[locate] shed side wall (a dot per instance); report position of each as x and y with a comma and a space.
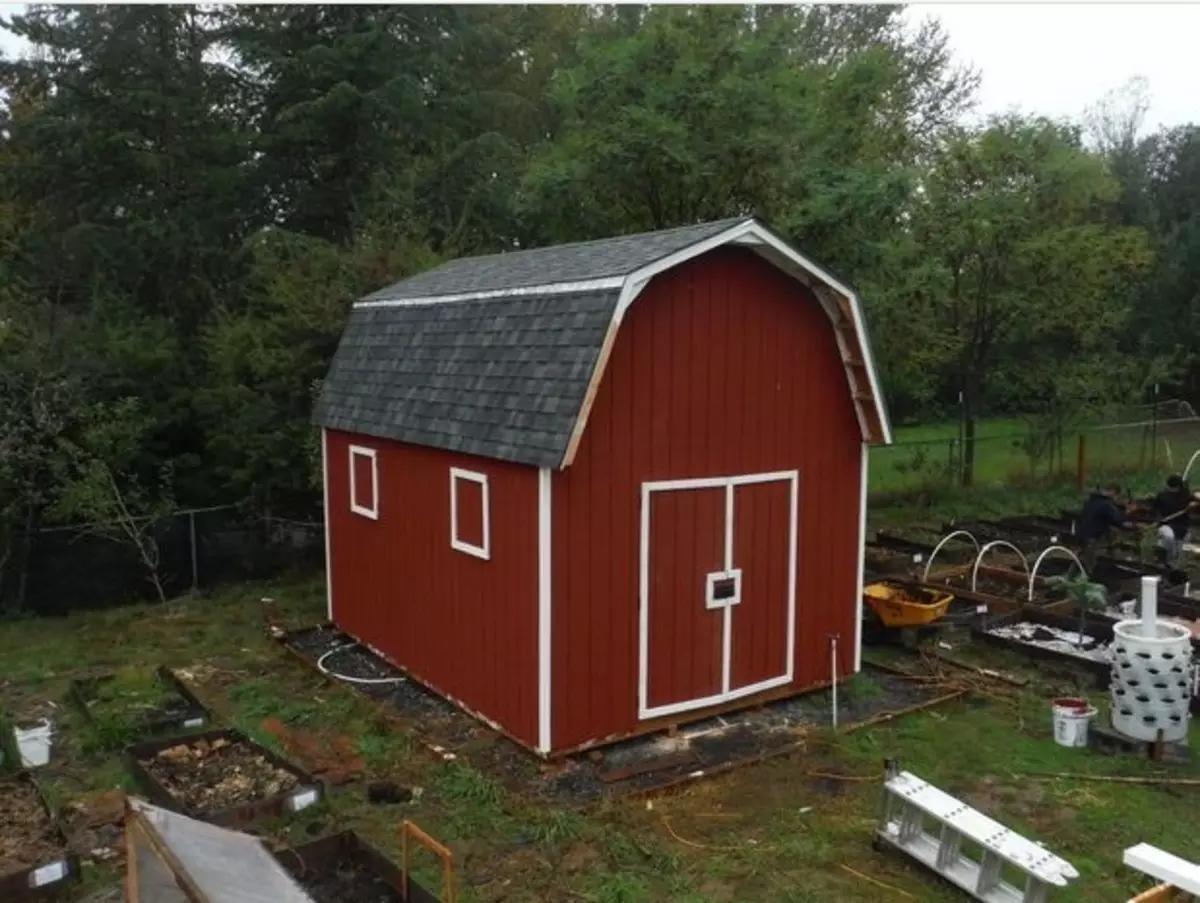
464, 625
722, 367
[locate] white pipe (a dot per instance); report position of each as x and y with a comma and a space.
1150, 605
983, 551
834, 670
1038, 563
945, 539
1190, 462
346, 677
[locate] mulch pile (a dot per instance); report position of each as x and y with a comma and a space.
334, 758
218, 774
27, 836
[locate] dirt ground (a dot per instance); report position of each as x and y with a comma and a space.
27, 836
347, 882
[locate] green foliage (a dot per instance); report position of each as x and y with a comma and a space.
1085, 594
191, 196
464, 783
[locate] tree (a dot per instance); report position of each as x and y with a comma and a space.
1011, 271
265, 357
129, 155
807, 116
100, 490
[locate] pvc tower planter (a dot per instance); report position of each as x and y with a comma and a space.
1151, 674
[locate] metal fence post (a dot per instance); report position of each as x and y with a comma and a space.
1081, 461
195, 562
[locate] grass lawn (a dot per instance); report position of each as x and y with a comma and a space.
924, 456
777, 832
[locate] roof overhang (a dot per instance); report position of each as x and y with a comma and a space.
839, 302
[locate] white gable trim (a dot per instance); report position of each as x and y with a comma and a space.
758, 238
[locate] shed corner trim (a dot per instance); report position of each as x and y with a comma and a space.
545, 610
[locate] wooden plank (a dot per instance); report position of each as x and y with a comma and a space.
661, 763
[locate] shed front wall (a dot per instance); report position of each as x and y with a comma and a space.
721, 367
465, 626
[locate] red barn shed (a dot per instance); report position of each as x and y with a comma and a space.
590, 490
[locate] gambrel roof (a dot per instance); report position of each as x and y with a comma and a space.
499, 355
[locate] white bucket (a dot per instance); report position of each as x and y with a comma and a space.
1071, 719
34, 744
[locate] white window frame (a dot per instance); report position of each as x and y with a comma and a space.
363, 452
484, 551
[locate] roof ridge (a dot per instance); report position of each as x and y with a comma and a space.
583, 243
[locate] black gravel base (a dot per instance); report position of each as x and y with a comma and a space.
710, 745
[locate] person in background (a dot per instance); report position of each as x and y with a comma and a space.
1172, 509
1100, 515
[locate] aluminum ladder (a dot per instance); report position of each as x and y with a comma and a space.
911, 805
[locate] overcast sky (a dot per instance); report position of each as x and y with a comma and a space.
1051, 58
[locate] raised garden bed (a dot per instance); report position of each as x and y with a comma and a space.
996, 583
138, 703
1052, 638
344, 868
35, 860
220, 776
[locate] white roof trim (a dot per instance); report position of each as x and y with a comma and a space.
554, 288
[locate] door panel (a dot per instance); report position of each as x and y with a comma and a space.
762, 537
685, 638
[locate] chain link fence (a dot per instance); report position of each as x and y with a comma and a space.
1029, 460
59, 569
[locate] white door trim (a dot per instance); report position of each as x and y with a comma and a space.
645, 710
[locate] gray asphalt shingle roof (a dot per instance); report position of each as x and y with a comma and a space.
500, 378
557, 264
503, 377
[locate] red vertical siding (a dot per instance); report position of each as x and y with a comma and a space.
722, 367
463, 625
687, 539
762, 527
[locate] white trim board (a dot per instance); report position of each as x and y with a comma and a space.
484, 550
328, 523
554, 288
859, 583
545, 610
372, 512
728, 692
1150, 860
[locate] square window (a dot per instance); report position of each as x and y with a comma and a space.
364, 482
470, 527
723, 589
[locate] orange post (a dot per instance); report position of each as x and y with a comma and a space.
444, 853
